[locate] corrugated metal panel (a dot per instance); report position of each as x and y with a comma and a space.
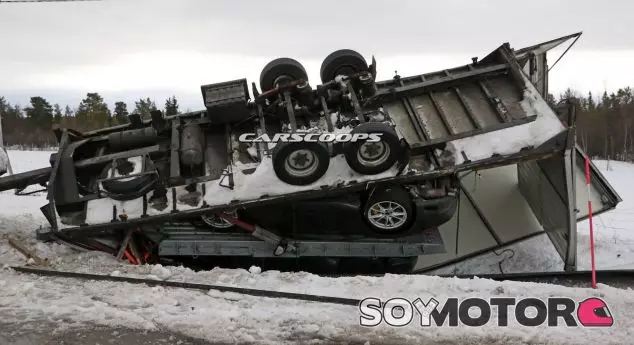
541, 192
437, 107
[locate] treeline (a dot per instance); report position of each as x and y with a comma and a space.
605, 124
31, 126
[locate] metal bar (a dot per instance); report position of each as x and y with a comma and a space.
22, 180
493, 101
113, 156
175, 168
264, 148
355, 103
427, 85
547, 150
419, 126
420, 147
196, 286
479, 212
290, 111
570, 161
466, 106
441, 114
324, 107
124, 243
51, 182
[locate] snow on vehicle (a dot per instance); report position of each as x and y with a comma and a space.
151, 175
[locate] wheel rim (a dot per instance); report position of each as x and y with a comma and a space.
387, 215
216, 221
373, 154
301, 163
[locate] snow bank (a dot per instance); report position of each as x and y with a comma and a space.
233, 318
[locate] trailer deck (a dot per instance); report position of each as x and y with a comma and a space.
480, 116
432, 113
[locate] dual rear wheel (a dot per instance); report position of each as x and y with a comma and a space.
303, 163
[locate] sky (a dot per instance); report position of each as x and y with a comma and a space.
128, 49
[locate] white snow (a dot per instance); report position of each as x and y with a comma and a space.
4, 161
511, 140
232, 318
262, 182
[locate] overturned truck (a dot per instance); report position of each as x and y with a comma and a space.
353, 167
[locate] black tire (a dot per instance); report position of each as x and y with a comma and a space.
283, 67
398, 205
315, 158
363, 160
342, 62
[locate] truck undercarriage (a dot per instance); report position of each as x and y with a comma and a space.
351, 168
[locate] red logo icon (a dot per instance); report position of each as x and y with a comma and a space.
594, 312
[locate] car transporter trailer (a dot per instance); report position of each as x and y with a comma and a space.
191, 185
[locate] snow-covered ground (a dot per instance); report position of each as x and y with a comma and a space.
230, 318
4, 161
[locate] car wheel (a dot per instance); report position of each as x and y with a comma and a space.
300, 163
389, 211
371, 158
216, 222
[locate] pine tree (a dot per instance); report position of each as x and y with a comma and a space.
171, 106
68, 112
40, 113
121, 112
143, 107
92, 112
57, 116
591, 105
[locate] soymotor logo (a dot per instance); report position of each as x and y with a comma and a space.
529, 312
310, 137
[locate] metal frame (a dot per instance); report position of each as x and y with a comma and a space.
194, 243
548, 149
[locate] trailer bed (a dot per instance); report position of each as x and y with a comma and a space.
483, 114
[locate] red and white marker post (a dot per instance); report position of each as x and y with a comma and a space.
594, 273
